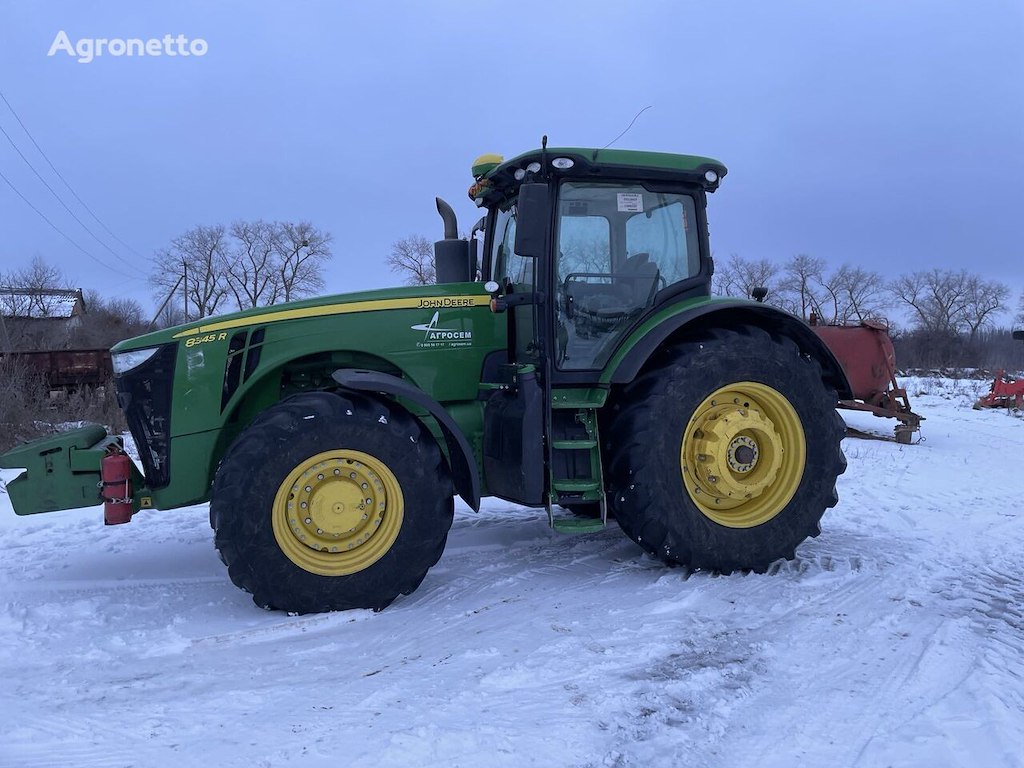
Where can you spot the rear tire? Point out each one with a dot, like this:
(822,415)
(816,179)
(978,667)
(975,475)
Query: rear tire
(725,451)
(329,502)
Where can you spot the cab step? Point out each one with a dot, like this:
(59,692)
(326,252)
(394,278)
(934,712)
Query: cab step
(574,445)
(578,398)
(578,524)
(576,486)
(575,477)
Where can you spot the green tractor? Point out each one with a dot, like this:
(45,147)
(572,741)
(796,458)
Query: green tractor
(570,357)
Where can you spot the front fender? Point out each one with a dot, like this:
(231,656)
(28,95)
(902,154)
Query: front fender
(460,454)
(674,322)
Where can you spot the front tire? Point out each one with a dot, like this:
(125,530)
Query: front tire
(329,502)
(725,451)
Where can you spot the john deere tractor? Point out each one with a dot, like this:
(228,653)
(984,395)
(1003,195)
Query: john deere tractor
(570,357)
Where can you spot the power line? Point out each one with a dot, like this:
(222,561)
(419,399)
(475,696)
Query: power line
(61,232)
(60,200)
(61,177)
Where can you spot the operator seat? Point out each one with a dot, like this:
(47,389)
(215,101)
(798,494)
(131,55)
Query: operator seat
(631,289)
(638,280)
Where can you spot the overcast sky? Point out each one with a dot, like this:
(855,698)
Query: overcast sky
(886,134)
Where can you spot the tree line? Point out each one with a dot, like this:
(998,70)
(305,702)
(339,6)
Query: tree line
(951,314)
(206,270)
(244,265)
(38,291)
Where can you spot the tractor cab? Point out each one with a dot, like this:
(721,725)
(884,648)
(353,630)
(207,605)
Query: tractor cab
(581,247)
(583,244)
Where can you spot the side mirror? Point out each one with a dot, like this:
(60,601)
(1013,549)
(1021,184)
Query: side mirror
(533,221)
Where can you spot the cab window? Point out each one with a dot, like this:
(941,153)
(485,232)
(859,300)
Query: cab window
(506,265)
(618,246)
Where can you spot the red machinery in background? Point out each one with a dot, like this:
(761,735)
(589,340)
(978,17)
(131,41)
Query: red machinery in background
(1007,391)
(866,353)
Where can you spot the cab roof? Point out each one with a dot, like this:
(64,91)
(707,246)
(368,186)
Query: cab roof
(632,159)
(494,174)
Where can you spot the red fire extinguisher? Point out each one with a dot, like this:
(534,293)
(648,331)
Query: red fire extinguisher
(116,486)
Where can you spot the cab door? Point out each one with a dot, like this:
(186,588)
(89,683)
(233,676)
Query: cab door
(516,276)
(515,416)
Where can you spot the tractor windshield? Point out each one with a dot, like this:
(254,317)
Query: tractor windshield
(618,245)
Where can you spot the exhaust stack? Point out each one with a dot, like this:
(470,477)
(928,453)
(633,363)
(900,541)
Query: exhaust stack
(451,255)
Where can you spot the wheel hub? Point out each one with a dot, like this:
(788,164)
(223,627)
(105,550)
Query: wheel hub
(728,434)
(743,453)
(338,512)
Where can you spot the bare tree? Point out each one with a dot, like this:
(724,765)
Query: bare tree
(301,251)
(253,274)
(413,257)
(584,254)
(198,259)
(1020,309)
(738,277)
(256,263)
(802,284)
(937,298)
(171,314)
(985,299)
(28,295)
(949,302)
(30,290)
(109,321)
(859,294)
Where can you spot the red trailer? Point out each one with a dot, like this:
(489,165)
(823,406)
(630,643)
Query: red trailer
(67,368)
(866,353)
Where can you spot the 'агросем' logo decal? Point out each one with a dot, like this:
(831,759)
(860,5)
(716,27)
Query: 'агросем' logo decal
(434,336)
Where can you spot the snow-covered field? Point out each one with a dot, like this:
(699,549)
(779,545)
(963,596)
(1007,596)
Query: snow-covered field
(895,639)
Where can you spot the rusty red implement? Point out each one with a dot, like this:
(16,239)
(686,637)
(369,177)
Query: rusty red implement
(866,353)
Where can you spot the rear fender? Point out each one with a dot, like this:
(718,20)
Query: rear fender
(649,337)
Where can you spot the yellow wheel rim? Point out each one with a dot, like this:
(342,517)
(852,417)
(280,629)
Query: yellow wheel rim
(743,454)
(338,512)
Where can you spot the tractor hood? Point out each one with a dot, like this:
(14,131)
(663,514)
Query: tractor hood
(187,391)
(415,297)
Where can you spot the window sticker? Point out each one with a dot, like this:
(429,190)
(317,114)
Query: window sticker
(630,202)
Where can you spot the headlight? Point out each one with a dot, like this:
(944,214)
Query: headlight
(125,361)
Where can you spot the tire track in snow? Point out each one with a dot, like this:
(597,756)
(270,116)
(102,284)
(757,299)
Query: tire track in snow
(915,643)
(70,739)
(991,597)
(706,679)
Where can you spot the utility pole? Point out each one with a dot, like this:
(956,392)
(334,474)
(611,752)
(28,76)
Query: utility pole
(5,340)
(184,285)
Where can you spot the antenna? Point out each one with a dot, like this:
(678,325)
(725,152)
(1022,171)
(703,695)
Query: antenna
(627,128)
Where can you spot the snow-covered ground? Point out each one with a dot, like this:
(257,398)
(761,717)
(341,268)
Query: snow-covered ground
(895,639)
